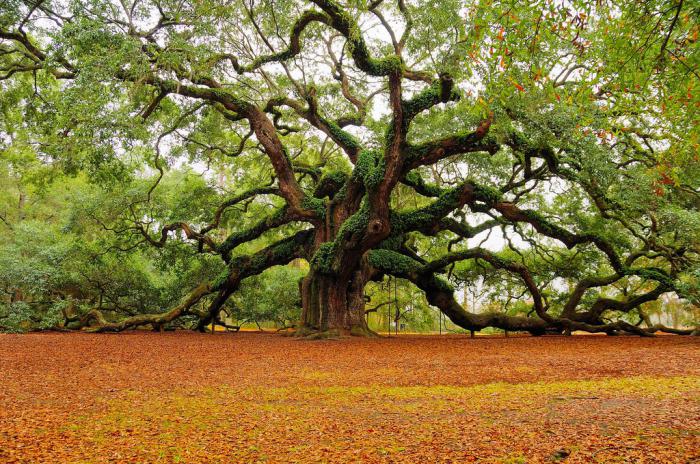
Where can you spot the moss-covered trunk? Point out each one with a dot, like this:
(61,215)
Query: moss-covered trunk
(333,304)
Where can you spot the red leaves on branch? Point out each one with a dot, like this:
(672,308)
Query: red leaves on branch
(501,34)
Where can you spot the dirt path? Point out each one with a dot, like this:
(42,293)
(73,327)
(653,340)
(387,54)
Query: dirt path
(231,398)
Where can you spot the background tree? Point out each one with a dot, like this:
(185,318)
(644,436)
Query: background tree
(380,139)
(272,296)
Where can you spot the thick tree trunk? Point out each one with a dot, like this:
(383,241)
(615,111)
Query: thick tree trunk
(333,305)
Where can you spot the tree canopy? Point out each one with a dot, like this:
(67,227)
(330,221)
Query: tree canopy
(545,150)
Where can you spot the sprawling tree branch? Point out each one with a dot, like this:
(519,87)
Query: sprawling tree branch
(256,77)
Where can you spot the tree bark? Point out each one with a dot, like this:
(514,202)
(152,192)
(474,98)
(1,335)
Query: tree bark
(333,305)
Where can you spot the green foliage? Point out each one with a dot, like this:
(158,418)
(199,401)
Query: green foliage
(580,118)
(57,260)
(272,296)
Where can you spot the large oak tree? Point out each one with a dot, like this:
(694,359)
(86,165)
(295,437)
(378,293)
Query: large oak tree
(388,138)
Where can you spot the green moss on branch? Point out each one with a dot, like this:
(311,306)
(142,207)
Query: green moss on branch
(392,262)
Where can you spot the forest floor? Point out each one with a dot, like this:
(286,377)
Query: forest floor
(246,397)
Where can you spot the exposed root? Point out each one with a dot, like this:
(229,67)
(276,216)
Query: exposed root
(311,333)
(363,331)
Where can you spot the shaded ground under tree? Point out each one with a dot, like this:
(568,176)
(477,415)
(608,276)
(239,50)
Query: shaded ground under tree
(250,397)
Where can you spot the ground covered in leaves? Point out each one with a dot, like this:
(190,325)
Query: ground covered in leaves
(246,397)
